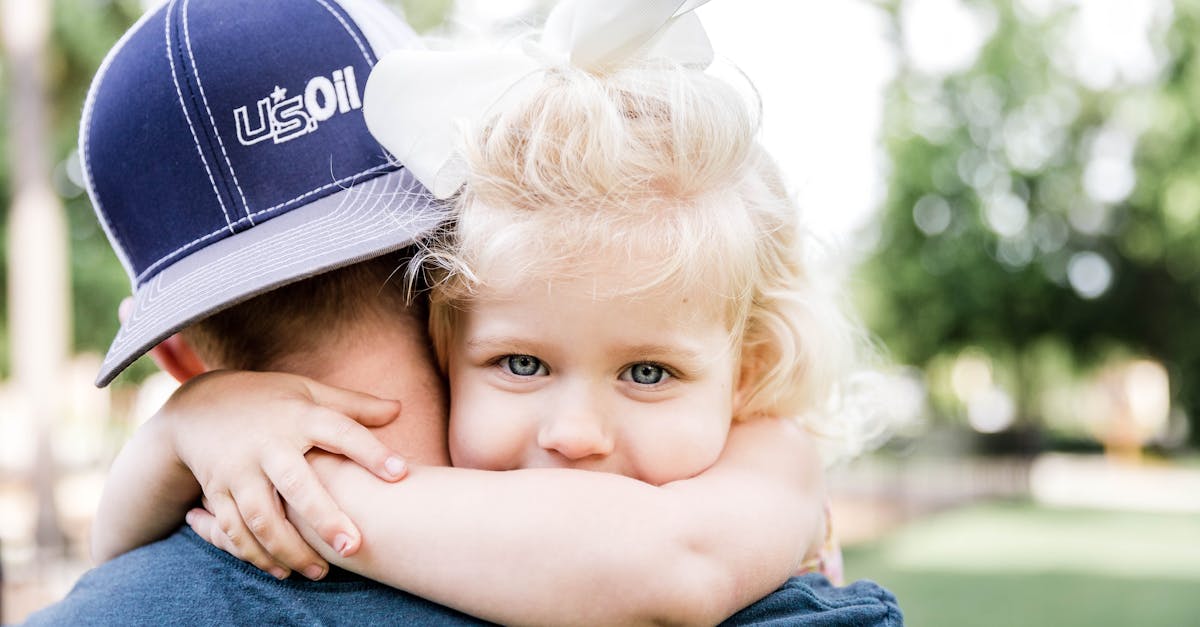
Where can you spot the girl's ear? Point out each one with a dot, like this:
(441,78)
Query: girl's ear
(749,373)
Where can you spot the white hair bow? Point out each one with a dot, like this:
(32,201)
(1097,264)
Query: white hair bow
(416,100)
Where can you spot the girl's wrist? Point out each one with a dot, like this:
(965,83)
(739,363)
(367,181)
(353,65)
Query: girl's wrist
(161,433)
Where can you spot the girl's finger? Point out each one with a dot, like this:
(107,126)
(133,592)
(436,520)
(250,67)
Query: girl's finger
(260,509)
(205,525)
(334,432)
(371,411)
(299,486)
(233,537)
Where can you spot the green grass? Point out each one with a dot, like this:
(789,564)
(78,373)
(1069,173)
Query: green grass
(1019,564)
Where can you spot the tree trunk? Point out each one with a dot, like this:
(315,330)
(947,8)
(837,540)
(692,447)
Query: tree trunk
(39,294)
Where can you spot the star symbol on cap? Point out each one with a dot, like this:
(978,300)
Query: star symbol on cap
(279,93)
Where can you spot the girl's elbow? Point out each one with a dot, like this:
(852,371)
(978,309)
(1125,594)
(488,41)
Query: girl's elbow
(699,592)
(101,551)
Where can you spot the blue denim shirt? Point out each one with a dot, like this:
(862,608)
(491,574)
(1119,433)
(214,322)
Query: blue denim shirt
(812,601)
(184,580)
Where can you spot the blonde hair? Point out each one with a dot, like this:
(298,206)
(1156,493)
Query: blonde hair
(656,163)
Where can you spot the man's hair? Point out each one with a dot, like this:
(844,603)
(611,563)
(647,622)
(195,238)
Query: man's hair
(294,321)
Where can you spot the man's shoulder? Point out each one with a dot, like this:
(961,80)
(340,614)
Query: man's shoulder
(812,600)
(182,579)
(147,577)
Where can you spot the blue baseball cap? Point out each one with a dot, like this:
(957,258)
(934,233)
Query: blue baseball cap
(225,154)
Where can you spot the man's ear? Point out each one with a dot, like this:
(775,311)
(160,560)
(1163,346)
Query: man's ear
(173,355)
(177,358)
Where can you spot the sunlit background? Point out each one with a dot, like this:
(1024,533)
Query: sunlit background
(1010,189)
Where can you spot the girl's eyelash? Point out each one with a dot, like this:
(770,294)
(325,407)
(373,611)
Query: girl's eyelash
(498,361)
(672,372)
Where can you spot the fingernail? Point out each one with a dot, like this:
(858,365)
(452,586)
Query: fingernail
(341,542)
(395,466)
(279,573)
(189,518)
(314,572)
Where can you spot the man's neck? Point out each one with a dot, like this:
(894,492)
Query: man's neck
(390,361)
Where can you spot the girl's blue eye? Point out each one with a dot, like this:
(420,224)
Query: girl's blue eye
(524,365)
(647,374)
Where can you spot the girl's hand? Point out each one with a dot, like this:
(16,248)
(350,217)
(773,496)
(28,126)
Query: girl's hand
(244,435)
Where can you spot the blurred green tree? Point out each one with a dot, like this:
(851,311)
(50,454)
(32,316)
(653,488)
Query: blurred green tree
(1029,208)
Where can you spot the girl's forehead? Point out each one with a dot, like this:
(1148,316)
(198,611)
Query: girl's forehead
(601,268)
(686,303)
(696,252)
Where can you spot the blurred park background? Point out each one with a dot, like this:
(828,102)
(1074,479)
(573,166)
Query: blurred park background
(1011,188)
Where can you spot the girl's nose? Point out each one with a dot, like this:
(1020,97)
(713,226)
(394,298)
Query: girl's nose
(576,436)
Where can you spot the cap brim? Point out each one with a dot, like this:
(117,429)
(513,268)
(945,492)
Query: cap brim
(366,220)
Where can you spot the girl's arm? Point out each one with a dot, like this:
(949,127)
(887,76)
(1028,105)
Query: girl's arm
(574,547)
(204,429)
(528,546)
(147,492)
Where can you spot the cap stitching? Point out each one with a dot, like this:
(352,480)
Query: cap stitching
(188,118)
(351,204)
(349,30)
(380,26)
(348,205)
(85,146)
(191,98)
(327,186)
(204,100)
(137,329)
(167,257)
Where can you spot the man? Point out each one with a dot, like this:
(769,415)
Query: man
(229,164)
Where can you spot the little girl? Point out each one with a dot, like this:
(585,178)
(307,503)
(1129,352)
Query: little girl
(622,290)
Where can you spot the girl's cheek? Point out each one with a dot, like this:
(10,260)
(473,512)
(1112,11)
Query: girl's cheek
(484,442)
(464,449)
(469,419)
(681,453)
(465,440)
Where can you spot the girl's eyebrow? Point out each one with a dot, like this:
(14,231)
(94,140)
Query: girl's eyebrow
(664,351)
(504,342)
